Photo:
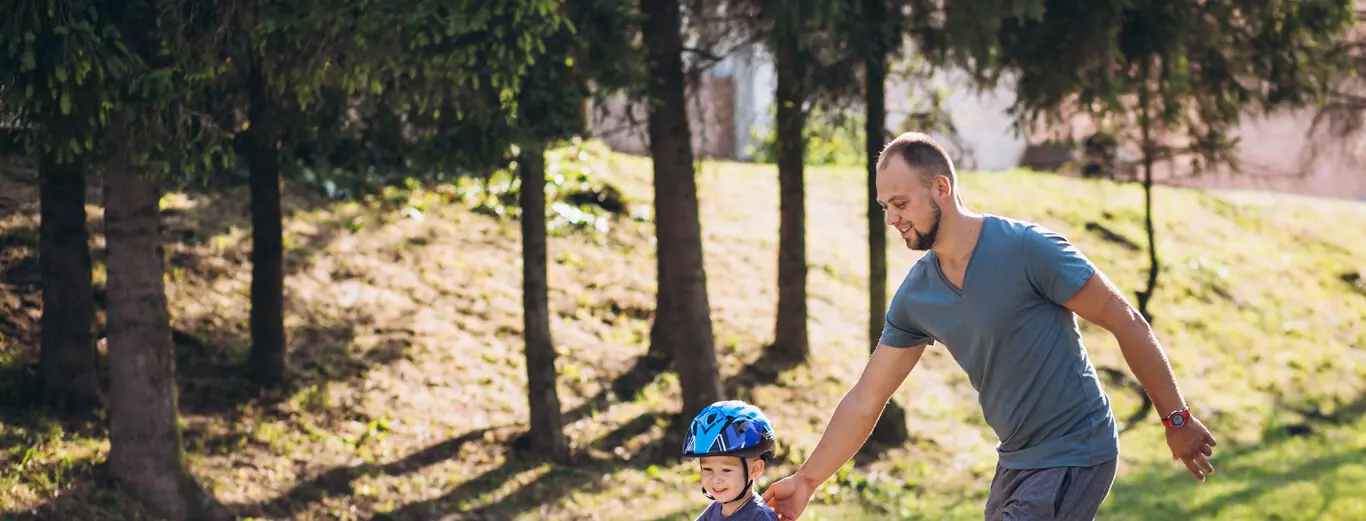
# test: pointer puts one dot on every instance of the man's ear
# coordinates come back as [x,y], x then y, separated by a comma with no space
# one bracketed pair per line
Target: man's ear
[942,186]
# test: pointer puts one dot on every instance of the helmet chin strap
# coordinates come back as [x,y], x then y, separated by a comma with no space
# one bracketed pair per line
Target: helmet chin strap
[744,493]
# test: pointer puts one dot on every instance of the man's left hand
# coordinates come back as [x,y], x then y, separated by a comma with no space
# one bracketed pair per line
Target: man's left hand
[1192,444]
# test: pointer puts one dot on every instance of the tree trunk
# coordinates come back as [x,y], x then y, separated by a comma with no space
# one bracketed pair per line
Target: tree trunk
[547,423]
[1145,122]
[145,453]
[660,353]
[891,426]
[266,362]
[875,135]
[684,317]
[790,332]
[1149,150]
[69,360]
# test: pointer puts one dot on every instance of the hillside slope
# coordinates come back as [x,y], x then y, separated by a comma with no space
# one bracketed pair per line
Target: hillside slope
[404,321]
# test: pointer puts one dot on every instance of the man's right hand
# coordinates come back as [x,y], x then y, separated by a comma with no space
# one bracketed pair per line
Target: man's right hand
[847,429]
[789,497]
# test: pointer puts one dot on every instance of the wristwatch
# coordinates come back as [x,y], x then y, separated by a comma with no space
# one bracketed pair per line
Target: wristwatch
[1178,419]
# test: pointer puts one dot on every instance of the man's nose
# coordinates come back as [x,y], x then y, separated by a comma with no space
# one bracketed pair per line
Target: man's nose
[891,218]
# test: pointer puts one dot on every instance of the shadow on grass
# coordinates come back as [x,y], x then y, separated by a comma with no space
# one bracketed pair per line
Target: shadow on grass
[210,379]
[764,370]
[556,482]
[338,481]
[586,474]
[1247,480]
[1255,478]
[84,490]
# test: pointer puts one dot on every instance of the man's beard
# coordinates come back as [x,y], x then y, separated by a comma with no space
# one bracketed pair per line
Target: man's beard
[925,241]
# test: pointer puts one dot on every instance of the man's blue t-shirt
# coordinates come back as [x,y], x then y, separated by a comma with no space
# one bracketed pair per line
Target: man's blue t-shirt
[753,510]
[1021,349]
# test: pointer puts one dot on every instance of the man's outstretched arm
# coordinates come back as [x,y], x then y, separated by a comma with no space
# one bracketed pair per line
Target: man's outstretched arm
[1100,303]
[849,427]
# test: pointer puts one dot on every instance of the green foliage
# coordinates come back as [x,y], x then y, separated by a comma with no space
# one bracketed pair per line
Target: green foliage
[596,44]
[66,67]
[440,112]
[576,199]
[831,139]
[360,99]
[1201,65]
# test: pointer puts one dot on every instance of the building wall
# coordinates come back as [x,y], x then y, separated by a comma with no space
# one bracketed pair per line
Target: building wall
[622,125]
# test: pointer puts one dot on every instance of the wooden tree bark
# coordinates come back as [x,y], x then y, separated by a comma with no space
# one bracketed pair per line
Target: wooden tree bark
[790,340]
[875,136]
[68,359]
[145,453]
[1149,150]
[547,422]
[891,426]
[685,318]
[266,361]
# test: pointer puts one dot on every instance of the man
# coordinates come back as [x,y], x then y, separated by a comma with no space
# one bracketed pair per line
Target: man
[1001,295]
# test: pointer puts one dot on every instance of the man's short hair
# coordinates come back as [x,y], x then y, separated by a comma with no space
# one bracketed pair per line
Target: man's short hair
[922,154]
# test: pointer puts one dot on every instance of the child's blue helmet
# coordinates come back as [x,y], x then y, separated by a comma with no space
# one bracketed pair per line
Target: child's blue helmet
[730,428]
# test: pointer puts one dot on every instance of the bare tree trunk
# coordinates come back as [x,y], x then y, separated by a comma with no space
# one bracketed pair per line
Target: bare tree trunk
[875,134]
[684,317]
[69,360]
[891,426]
[1149,150]
[547,423]
[790,341]
[145,453]
[266,361]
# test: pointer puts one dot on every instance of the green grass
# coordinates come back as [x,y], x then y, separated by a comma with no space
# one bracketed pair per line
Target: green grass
[405,341]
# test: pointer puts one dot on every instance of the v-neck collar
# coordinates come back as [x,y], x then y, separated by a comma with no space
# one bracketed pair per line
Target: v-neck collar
[972,258]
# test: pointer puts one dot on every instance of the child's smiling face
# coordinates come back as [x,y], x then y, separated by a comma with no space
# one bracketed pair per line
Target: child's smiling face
[724,476]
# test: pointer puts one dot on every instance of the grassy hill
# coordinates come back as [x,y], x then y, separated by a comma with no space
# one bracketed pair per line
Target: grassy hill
[407,399]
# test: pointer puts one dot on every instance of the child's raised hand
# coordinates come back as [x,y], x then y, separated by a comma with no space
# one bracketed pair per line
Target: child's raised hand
[789,497]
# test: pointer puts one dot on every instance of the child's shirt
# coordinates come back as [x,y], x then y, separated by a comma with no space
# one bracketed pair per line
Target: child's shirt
[753,510]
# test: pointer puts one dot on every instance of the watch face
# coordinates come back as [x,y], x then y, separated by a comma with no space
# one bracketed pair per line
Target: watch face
[1178,420]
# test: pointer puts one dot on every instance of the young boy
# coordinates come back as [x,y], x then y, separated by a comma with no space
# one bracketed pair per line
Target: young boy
[732,441]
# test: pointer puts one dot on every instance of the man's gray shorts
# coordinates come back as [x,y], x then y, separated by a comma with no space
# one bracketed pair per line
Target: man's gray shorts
[1063,493]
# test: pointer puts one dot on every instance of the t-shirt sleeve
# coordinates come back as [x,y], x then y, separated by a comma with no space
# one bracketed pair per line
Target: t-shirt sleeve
[897,330]
[1055,267]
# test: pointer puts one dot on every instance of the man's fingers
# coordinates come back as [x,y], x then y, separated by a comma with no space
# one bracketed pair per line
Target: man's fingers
[1195,470]
[1207,450]
[1204,464]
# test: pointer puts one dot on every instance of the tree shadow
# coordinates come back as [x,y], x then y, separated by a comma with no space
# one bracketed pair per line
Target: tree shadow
[209,353]
[1163,494]
[86,486]
[338,481]
[764,370]
[1163,488]
[557,482]
[624,388]
[1117,378]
